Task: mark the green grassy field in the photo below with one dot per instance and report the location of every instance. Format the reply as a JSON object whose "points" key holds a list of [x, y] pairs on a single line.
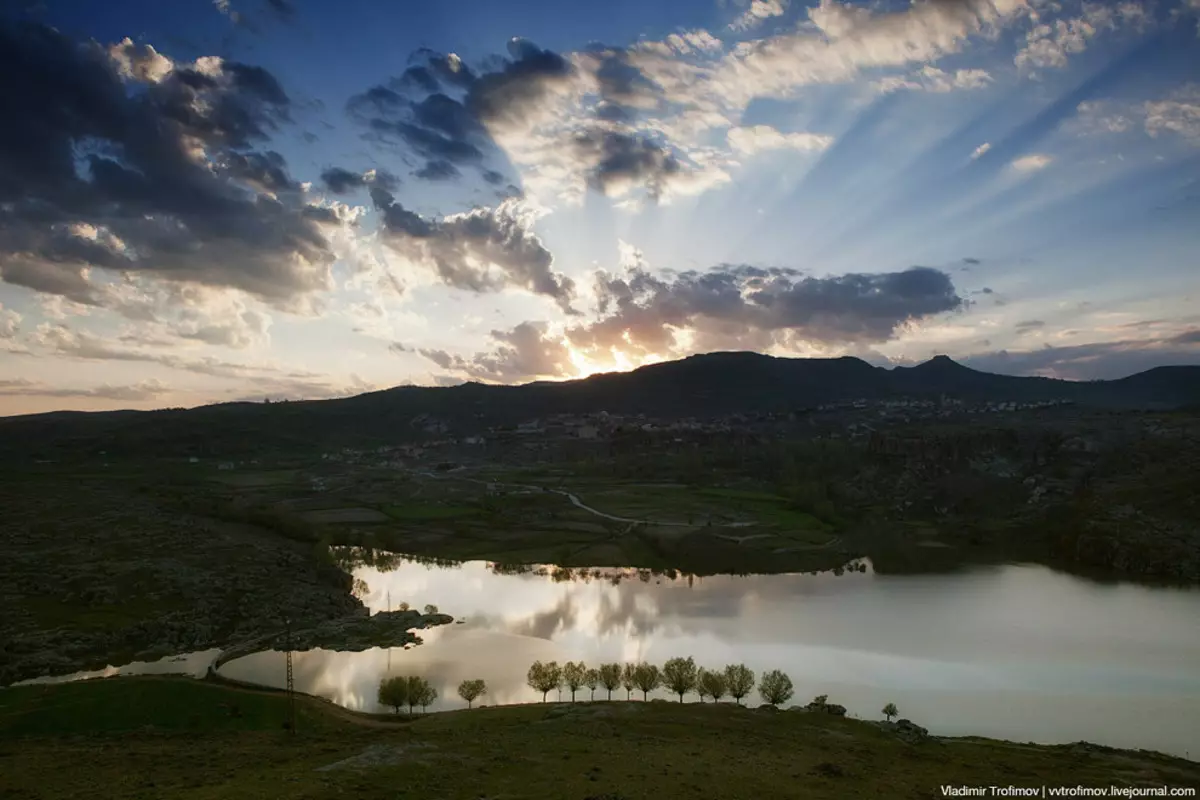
{"points": [[161, 737]]}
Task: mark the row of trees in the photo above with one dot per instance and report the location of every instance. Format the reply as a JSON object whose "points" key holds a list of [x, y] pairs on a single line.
{"points": [[412, 690], [680, 676]]}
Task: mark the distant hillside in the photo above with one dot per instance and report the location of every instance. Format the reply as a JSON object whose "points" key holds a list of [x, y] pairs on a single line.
{"points": [[698, 386]]}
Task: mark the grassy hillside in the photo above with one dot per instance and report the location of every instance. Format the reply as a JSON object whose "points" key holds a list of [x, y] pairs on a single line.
{"points": [[154, 737]]}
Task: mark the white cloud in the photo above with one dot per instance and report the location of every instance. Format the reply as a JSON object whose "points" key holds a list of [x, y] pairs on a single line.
{"points": [[983, 148], [1179, 113], [931, 79], [757, 138], [1032, 162], [10, 322], [758, 11], [1049, 44]]}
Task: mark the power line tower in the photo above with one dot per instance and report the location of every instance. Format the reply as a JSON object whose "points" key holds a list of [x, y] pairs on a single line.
{"points": [[291, 688]]}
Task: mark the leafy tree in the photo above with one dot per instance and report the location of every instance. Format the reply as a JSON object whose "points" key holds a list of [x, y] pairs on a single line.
{"points": [[775, 687], [430, 608], [471, 690], [890, 711], [416, 691], [393, 692], [426, 694], [591, 679], [739, 681], [679, 675], [627, 679], [574, 673], [544, 677], [610, 677], [646, 678], [403, 607], [711, 682]]}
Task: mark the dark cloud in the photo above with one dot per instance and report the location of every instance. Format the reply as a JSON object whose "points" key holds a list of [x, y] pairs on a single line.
{"points": [[972, 261], [438, 170], [493, 177], [482, 250], [96, 172], [742, 307], [456, 130], [1094, 361], [342, 181], [1029, 325], [523, 353], [621, 159], [281, 7]]}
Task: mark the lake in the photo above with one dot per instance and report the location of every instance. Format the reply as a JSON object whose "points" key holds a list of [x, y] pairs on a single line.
{"points": [[1014, 652]]}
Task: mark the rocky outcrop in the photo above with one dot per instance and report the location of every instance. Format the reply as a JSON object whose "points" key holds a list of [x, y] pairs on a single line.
{"points": [[906, 730]]}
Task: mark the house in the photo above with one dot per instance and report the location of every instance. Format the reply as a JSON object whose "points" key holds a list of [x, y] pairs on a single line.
{"points": [[225, 465], [587, 432]]}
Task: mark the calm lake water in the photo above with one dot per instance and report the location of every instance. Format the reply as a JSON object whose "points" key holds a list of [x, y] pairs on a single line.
{"points": [[1013, 652]]}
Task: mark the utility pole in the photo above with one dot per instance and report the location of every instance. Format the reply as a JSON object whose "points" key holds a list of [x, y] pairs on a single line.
{"points": [[291, 688]]}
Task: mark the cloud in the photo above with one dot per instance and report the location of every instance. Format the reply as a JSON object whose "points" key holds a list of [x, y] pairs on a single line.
{"points": [[983, 148], [757, 138], [482, 250], [931, 79], [758, 11], [438, 170], [1032, 162], [1050, 43], [141, 391], [1094, 361], [525, 352], [342, 181], [1179, 114], [755, 308], [10, 322], [1029, 325], [114, 163]]}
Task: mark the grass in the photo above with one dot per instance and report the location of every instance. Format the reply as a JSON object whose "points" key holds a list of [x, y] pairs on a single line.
{"points": [[428, 512], [145, 737]]}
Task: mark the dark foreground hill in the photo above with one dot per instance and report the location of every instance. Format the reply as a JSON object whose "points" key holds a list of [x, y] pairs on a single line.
{"points": [[155, 737], [698, 386]]}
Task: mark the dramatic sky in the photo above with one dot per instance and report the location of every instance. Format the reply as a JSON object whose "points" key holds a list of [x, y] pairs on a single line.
{"points": [[211, 200]]}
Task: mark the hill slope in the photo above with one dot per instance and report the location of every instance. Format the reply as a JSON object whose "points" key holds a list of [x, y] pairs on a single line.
{"points": [[703, 385]]}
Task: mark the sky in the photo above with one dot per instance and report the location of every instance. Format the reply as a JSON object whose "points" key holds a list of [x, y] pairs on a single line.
{"points": [[216, 200]]}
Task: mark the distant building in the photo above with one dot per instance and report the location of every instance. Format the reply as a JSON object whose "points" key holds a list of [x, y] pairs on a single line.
{"points": [[225, 465], [193, 460], [587, 432]]}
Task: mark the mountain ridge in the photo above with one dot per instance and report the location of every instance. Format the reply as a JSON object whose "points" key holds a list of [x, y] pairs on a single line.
{"points": [[705, 385]]}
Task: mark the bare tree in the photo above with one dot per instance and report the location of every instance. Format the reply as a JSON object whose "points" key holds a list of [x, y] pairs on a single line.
{"points": [[610, 677], [679, 675], [712, 683], [471, 690], [394, 692], [775, 687], [739, 681], [591, 679], [544, 677], [646, 678], [574, 673]]}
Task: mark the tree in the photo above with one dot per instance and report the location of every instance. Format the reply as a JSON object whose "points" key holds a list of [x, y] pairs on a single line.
{"points": [[544, 677], [739, 681], [711, 682], [610, 677], [627, 680], [574, 673], [430, 608], [393, 692], [646, 678], [403, 606], [426, 694], [471, 690], [679, 675], [775, 688], [890, 711], [591, 679]]}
